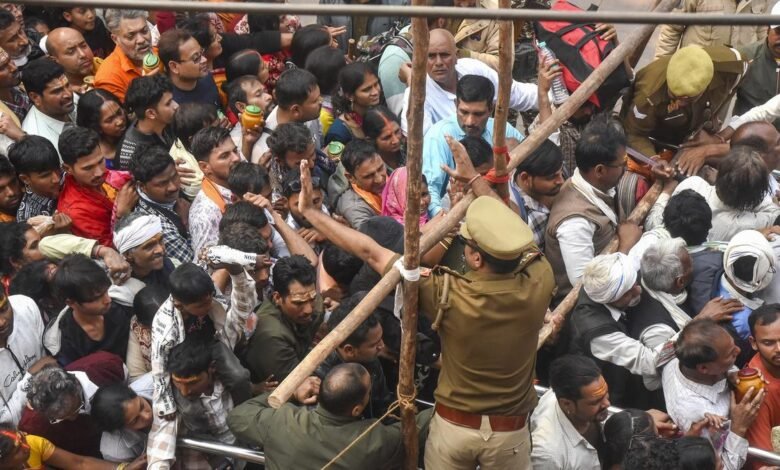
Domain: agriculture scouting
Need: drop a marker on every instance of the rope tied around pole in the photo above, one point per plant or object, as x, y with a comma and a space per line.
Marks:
493, 177
403, 402
410, 275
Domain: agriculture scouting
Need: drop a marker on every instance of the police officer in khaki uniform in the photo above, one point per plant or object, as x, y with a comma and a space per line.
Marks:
674, 96
489, 321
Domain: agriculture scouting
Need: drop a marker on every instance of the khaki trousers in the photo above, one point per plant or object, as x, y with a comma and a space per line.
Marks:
453, 447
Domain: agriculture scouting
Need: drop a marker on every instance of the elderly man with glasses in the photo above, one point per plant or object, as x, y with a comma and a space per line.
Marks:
58, 402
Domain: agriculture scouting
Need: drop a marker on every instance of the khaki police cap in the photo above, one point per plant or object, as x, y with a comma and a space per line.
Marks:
689, 72
496, 229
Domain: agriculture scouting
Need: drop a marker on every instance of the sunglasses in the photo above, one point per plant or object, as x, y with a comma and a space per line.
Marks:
294, 186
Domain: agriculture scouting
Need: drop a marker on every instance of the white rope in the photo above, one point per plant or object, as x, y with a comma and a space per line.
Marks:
410, 275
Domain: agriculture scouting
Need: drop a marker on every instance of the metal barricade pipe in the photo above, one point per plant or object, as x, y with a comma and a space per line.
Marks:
631, 17
255, 456
225, 450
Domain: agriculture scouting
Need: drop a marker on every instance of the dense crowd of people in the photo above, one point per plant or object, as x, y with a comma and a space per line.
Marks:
189, 202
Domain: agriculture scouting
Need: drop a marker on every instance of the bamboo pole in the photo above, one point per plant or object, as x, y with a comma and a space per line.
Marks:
415, 116
588, 87
435, 231
440, 229
505, 59
567, 304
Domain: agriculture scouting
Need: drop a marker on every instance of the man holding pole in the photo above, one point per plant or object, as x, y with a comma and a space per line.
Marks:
485, 391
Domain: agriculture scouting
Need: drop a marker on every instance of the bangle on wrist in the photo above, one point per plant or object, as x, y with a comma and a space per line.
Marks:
471, 181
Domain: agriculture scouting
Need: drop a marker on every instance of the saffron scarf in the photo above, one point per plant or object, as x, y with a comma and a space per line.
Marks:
373, 200
212, 192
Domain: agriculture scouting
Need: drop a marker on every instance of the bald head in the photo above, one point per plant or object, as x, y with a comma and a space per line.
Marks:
344, 391
441, 36
68, 47
762, 137
442, 58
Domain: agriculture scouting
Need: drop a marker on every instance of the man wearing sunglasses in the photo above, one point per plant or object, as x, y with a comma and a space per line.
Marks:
488, 320
291, 189
187, 68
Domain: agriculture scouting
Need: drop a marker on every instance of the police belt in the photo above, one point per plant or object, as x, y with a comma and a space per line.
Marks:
474, 421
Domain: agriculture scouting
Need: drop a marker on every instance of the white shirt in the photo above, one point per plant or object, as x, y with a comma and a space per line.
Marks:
24, 348
575, 238
557, 444
687, 401
440, 103
204, 219
649, 238
271, 123
625, 351
768, 111
771, 294
727, 222
124, 445
37, 123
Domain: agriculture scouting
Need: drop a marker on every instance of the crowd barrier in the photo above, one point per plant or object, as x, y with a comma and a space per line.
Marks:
258, 457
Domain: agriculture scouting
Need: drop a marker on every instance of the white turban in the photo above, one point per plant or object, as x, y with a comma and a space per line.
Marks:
608, 277
137, 233
750, 243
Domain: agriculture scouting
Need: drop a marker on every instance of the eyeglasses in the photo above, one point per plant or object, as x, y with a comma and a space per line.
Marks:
70, 416
197, 58
294, 186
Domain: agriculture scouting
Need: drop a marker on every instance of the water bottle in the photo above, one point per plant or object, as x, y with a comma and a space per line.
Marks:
560, 93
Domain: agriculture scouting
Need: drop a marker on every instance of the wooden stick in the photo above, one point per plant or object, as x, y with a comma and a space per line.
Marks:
415, 116
441, 228
505, 60
586, 89
567, 304
435, 231
351, 49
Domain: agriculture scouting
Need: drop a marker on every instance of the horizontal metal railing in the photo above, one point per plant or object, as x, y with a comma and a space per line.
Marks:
255, 456
631, 17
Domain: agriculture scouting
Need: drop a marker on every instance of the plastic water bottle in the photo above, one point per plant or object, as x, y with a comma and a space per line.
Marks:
560, 93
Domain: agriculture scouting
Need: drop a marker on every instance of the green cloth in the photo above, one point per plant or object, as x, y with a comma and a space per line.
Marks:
294, 437
278, 344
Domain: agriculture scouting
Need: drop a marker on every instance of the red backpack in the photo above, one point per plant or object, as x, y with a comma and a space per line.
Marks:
580, 50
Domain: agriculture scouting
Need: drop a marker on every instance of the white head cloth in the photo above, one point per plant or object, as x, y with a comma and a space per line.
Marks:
137, 233
750, 243
608, 277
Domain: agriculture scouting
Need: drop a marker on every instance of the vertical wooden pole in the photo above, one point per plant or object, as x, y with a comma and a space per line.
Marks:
406, 389
440, 229
506, 55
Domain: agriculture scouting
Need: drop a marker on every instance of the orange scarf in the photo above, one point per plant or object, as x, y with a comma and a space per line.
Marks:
372, 199
7, 218
212, 192
110, 191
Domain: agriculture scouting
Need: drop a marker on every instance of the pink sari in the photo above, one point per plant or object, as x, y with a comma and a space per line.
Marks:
394, 197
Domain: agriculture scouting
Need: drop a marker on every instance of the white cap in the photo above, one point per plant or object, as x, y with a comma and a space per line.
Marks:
775, 12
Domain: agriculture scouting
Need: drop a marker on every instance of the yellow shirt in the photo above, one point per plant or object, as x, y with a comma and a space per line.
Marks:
40, 451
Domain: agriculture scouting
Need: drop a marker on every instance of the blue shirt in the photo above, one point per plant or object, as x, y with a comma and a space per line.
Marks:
740, 319
205, 92
436, 153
